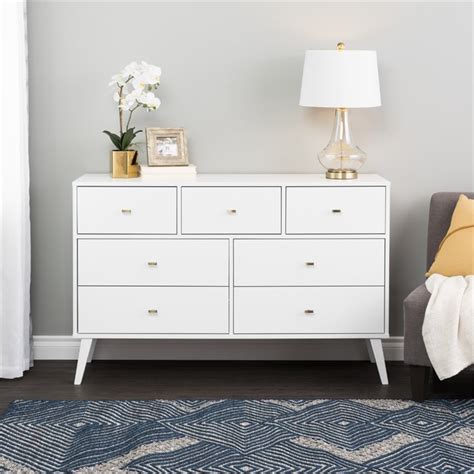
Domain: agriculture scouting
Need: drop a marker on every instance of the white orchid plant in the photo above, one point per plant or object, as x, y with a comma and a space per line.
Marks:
135, 85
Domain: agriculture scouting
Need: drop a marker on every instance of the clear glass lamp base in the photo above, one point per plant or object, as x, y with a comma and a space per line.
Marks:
342, 158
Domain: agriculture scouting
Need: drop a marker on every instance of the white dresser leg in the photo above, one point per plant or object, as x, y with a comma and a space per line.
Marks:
376, 345
370, 351
84, 351
91, 351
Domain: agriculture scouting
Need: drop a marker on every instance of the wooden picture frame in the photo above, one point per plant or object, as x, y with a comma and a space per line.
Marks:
166, 147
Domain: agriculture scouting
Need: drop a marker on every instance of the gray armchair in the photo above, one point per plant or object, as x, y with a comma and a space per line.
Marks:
441, 209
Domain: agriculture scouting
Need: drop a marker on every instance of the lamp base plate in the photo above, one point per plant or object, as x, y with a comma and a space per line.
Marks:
341, 174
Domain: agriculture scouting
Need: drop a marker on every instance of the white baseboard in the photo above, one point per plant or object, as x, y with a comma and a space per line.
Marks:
66, 347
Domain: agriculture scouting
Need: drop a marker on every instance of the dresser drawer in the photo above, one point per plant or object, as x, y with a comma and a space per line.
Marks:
335, 210
298, 262
336, 310
145, 310
231, 210
126, 210
150, 262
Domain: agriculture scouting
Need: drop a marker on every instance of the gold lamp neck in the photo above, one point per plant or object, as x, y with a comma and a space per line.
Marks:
340, 46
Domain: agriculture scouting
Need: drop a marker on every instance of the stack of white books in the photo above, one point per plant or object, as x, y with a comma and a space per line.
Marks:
167, 171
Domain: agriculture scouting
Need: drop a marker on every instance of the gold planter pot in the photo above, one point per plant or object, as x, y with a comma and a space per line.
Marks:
124, 164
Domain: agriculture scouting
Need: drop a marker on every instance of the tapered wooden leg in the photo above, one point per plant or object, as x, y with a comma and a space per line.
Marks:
419, 378
376, 345
369, 350
84, 351
92, 350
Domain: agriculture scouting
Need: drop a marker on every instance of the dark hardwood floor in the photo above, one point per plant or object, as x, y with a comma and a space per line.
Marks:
140, 380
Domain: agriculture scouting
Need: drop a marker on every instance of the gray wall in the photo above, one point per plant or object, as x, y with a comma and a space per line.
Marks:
231, 77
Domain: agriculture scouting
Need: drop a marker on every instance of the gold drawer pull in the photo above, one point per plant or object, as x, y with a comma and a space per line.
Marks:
152, 264
310, 264
232, 211
308, 311
152, 311
126, 211
337, 211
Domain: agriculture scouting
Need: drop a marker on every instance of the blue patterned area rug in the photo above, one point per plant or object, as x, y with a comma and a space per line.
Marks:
231, 436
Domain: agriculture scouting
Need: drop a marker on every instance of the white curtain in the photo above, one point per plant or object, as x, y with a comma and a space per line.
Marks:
15, 327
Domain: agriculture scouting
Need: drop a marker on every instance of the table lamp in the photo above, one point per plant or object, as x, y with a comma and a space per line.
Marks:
341, 79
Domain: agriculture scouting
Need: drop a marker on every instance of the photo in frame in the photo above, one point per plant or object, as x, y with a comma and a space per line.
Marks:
166, 147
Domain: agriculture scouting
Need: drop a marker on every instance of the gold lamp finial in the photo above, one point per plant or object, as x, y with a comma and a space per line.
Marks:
341, 46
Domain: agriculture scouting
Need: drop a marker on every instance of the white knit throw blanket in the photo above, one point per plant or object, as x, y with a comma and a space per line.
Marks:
448, 326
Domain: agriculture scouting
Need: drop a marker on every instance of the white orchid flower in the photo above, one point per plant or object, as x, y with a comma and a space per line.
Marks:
154, 104
142, 99
148, 67
135, 93
142, 74
127, 104
118, 79
152, 77
149, 74
129, 100
152, 71
144, 78
131, 69
149, 101
139, 83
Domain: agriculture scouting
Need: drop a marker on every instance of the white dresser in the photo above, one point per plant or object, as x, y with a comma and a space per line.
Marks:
231, 257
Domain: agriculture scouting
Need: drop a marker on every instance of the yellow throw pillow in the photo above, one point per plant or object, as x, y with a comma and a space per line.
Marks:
455, 254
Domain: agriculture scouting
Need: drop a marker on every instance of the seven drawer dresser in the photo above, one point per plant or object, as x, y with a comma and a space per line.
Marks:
231, 257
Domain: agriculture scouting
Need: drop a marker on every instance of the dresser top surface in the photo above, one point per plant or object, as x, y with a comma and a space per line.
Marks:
105, 179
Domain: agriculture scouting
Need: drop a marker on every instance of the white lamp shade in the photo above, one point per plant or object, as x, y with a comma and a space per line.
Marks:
340, 79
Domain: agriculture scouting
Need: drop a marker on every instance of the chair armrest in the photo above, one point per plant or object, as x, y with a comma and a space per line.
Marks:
414, 308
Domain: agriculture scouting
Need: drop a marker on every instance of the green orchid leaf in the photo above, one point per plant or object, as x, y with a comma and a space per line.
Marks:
127, 138
115, 139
